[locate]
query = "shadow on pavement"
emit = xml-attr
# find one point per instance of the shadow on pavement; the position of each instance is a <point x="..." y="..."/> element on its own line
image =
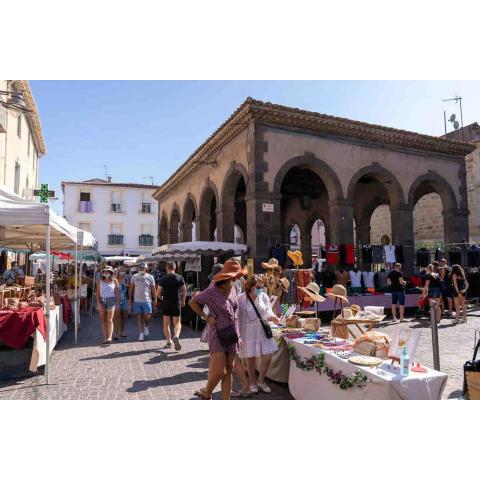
<point x="187" y="377"/>
<point x="173" y="356"/>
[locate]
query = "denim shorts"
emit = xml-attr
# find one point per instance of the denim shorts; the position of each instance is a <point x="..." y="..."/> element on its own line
<point x="140" y="308"/>
<point x="108" y="303"/>
<point x="398" y="298"/>
<point x="434" y="292"/>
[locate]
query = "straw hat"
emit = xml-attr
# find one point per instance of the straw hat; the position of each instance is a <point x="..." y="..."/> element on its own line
<point x="346" y="314"/>
<point x="296" y="257"/>
<point x="312" y="290"/>
<point x="272" y="263"/>
<point x="355" y="308"/>
<point x="339" y="291"/>
<point x="231" y="271"/>
<point x="285" y="284"/>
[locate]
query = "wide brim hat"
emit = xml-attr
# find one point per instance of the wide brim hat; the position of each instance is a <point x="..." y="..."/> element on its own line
<point x="355" y="308"/>
<point x="346" y="314"/>
<point x="284" y="284"/>
<point x="312" y="290"/>
<point x="231" y="271"/>
<point x="296" y="257"/>
<point x="339" y="291"/>
<point x="272" y="263"/>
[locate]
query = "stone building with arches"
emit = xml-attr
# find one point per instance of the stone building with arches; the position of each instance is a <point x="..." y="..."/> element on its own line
<point x="269" y="167"/>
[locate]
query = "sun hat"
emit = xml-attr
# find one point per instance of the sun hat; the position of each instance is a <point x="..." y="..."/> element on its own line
<point x="272" y="263"/>
<point x="284" y="284"/>
<point x="346" y="314"/>
<point x="215" y="269"/>
<point x="231" y="271"/>
<point x="313" y="292"/>
<point x="355" y="308"/>
<point x="338" y="291"/>
<point x="296" y="257"/>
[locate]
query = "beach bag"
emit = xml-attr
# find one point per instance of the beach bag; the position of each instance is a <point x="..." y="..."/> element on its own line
<point x="312" y="324"/>
<point x="471" y="381"/>
<point x="339" y="329"/>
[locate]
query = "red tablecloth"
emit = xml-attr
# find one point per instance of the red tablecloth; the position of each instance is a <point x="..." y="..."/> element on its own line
<point x="16" y="326"/>
<point x="67" y="309"/>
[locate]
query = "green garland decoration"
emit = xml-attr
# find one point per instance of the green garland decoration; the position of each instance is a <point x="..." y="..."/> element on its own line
<point x="317" y="362"/>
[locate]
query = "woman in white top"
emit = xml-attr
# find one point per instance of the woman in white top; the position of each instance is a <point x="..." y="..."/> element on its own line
<point x="254" y="340"/>
<point x="108" y="297"/>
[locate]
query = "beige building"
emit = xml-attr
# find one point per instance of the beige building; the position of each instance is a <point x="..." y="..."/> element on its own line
<point x="21" y="141"/>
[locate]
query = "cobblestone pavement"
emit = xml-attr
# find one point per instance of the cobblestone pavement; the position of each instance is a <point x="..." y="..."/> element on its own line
<point x="455" y="343"/>
<point x="143" y="370"/>
<point x="128" y="369"/>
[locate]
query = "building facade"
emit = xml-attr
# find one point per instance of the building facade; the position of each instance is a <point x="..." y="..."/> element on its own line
<point x="121" y="216"/>
<point x="21" y="142"/>
<point x="270" y="167"/>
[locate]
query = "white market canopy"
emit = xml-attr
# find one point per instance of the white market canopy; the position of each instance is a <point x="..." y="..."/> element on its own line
<point x="199" y="248"/>
<point x="120" y="258"/>
<point x="23" y="225"/>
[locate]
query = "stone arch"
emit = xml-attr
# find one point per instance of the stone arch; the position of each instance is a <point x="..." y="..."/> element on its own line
<point x="432" y="182"/>
<point x="174" y="225"/>
<point x="382" y="175"/>
<point x="209" y="202"/>
<point x="163" y="229"/>
<point x="234" y="173"/>
<point x="321" y="168"/>
<point x="189" y="217"/>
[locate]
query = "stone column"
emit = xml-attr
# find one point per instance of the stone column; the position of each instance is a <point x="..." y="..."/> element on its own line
<point x="455" y="225"/>
<point x="225" y="224"/>
<point x="402" y="234"/>
<point x="203" y="228"/>
<point x="341" y="221"/>
<point x="186" y="232"/>
<point x="306" y="248"/>
<point x="362" y="236"/>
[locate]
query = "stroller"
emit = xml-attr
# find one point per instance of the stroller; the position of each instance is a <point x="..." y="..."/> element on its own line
<point x="423" y="311"/>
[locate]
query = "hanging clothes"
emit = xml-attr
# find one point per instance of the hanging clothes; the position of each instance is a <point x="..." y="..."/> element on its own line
<point x="342" y="278"/>
<point x="464" y="249"/>
<point x="355" y="279"/>
<point x="473" y="279"/>
<point x="423" y="258"/>
<point x="290" y="297"/>
<point x="438" y="254"/>
<point x="377" y="254"/>
<point x="389" y="253"/>
<point x="455" y="256"/>
<point x="280" y="253"/>
<point x="473" y="256"/>
<point x="347" y="254"/>
<point x="368" y="279"/>
<point x="367" y="254"/>
<point x="333" y="254"/>
<point x="399" y="254"/>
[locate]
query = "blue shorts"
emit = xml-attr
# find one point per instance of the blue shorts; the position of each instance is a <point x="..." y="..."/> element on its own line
<point x="398" y="298"/>
<point x="140" y="308"/>
<point x="124" y="304"/>
<point x="108" y="303"/>
<point x="434" y="292"/>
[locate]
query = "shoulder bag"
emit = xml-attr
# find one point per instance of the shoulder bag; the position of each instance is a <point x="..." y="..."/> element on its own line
<point x="265" y="325"/>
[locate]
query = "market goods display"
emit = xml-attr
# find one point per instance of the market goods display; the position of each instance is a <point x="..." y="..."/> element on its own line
<point x="365" y="361"/>
<point x="371" y="343"/>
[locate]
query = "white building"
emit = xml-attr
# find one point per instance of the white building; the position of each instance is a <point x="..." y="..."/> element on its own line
<point x="21" y="141"/>
<point x="121" y="216"/>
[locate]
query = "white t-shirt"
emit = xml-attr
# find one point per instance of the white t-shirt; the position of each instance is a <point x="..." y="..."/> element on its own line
<point x="368" y="279"/>
<point x="143" y="287"/>
<point x="389" y="253"/>
<point x="355" y="278"/>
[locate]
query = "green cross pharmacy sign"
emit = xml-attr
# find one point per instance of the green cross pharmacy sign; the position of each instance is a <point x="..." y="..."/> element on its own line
<point x="44" y="193"/>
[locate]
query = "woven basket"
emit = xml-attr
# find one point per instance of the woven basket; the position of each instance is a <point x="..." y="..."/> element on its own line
<point x="473" y="385"/>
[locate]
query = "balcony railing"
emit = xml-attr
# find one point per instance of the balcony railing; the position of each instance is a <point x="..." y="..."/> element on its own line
<point x="145" y="240"/>
<point x="115" y="239"/>
<point x="146" y="208"/>
<point x="85" y="206"/>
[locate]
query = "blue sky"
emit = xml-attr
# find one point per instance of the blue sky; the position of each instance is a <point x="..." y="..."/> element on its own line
<point x="148" y="128"/>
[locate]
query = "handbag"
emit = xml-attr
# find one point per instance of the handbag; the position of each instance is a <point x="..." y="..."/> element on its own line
<point x="471" y="372"/>
<point x="265" y="325"/>
<point x="227" y="336"/>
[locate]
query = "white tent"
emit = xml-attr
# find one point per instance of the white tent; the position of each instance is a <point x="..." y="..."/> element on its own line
<point x="34" y="226"/>
<point x="200" y="248"/>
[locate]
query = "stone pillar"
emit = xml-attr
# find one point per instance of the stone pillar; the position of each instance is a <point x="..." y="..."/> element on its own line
<point x="455" y="225"/>
<point x="402" y="234"/>
<point x="203" y="228"/>
<point x="362" y="233"/>
<point x="306" y="248"/>
<point x="263" y="228"/>
<point x="341" y="221"/>
<point x="225" y="224"/>
<point x="186" y="232"/>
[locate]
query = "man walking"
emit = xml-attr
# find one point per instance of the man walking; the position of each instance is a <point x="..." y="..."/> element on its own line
<point x="173" y="293"/>
<point x="397" y="287"/>
<point x="142" y="296"/>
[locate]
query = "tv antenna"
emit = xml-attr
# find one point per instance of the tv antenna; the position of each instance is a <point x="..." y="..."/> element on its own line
<point x="151" y="178"/>
<point x="107" y="175"/>
<point x="453" y="117"/>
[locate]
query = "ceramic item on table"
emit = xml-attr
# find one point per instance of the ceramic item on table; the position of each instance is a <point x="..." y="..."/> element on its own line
<point x="365" y="361"/>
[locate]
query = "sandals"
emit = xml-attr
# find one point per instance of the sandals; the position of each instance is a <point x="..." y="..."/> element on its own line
<point x="264" y="388"/>
<point x="201" y="394"/>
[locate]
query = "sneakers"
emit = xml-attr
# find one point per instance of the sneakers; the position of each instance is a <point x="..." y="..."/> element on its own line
<point x="168" y="345"/>
<point x="146" y="331"/>
<point x="264" y="388"/>
<point x="140" y="337"/>
<point x="253" y="389"/>
<point x="462" y="320"/>
<point x="176" y="342"/>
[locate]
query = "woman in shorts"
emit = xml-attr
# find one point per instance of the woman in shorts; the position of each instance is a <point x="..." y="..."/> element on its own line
<point x="460" y="287"/>
<point x="433" y="289"/>
<point x="108" y="297"/>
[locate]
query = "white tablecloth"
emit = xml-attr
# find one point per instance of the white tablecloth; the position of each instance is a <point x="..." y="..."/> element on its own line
<point x="56" y="328"/>
<point x="385" y="382"/>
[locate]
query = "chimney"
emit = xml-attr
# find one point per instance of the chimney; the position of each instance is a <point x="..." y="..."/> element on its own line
<point x="109" y="179"/>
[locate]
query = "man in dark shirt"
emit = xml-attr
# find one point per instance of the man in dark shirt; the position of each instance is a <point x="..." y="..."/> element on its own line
<point x="397" y="287"/>
<point x="173" y="293"/>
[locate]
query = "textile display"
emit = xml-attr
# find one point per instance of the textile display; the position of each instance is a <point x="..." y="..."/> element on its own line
<point x="342" y="278"/>
<point x="333" y="254"/>
<point x="377" y="254"/>
<point x="399" y="254"/>
<point x="367" y="254"/>
<point x="16" y="326"/>
<point x="347" y="254"/>
<point x="67" y="316"/>
<point x="423" y="258"/>
<point x="355" y="278"/>
<point x="438" y="255"/>
<point x="389" y="253"/>
<point x="454" y="256"/>
<point x="297" y="278"/>
<point x="280" y="253"/>
<point x="473" y="256"/>
<point x="380" y="300"/>
<point x="368" y="279"/>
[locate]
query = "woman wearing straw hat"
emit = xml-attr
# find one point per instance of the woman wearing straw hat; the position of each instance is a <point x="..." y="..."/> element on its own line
<point x="223" y="334"/>
<point x="108" y="297"/>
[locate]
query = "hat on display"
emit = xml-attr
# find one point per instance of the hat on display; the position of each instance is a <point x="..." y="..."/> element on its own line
<point x="296" y="257"/>
<point x="284" y="284"/>
<point x="346" y="314"/>
<point x="231" y="271"/>
<point x="339" y="291"/>
<point x="355" y="308"/>
<point x="217" y="268"/>
<point x="272" y="263"/>
<point x="312" y="290"/>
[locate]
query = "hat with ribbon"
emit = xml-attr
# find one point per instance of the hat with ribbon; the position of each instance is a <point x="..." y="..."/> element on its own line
<point x="338" y="291"/>
<point x="231" y="271"/>
<point x="284" y="284"/>
<point x="272" y="263"/>
<point x="312" y="290"/>
<point x="296" y="257"/>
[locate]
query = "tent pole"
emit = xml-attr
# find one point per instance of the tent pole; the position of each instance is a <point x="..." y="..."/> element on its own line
<point x="94" y="285"/>
<point x="80" y="285"/>
<point x="47" y="301"/>
<point x="75" y="298"/>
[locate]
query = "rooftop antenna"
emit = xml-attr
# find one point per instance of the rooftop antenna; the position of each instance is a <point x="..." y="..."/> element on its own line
<point x="108" y="178"/>
<point x="151" y="178"/>
<point x="452" y="118"/>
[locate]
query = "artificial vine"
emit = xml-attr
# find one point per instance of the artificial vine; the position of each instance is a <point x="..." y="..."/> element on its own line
<point x="317" y="362"/>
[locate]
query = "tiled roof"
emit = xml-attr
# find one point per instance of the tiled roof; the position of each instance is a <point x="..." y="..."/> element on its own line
<point x="273" y="114"/>
<point x="471" y="133"/>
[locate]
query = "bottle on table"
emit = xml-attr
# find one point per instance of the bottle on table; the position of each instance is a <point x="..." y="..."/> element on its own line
<point x="404" y="362"/>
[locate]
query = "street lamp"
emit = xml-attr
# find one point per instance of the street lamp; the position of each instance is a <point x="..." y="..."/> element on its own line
<point x="14" y="102"/>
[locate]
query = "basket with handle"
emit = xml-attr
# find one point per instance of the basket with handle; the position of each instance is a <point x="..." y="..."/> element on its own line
<point x="471" y="370"/>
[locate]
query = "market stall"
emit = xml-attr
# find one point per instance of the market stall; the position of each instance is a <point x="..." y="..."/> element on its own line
<point x="34" y="227"/>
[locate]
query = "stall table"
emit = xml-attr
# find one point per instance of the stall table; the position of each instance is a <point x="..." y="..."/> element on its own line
<point x="382" y="300"/>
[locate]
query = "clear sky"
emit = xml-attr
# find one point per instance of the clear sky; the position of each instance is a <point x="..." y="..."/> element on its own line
<point x="148" y="128"/>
